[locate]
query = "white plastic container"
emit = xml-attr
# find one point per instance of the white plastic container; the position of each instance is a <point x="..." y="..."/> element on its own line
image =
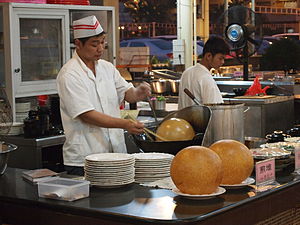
<point x="64" y="189"/>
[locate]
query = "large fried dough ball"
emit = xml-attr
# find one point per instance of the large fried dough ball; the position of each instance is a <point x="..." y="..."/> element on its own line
<point x="236" y="159"/>
<point x="176" y="129"/>
<point x="196" y="170"/>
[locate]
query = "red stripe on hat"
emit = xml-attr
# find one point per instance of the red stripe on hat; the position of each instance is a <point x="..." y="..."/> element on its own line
<point x="86" y="27"/>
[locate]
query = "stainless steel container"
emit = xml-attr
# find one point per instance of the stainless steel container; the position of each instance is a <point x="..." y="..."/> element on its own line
<point x="254" y="142"/>
<point x="159" y="86"/>
<point x="158" y="105"/>
<point x="227" y="122"/>
<point x="174" y="86"/>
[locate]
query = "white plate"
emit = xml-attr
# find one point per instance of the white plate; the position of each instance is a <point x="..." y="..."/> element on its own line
<point x="110" y="157"/>
<point x="112" y="184"/>
<point x="266" y="153"/>
<point x="153" y="156"/>
<point x="110" y="166"/>
<point x="219" y="191"/>
<point x="292" y="139"/>
<point x="245" y="183"/>
<point x="160" y="165"/>
<point x="289" y="146"/>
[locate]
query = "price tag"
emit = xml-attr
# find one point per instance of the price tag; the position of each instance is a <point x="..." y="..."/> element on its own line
<point x="265" y="171"/>
<point x="297" y="159"/>
<point x="258" y="74"/>
<point x="237" y="74"/>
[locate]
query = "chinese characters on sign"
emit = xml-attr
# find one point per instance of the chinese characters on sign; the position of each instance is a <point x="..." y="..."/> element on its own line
<point x="297" y="160"/>
<point x="265" y="171"/>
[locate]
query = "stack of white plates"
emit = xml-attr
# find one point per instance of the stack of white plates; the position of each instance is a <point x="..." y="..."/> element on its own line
<point x="109" y="169"/>
<point x="150" y="167"/>
<point x="22" y="109"/>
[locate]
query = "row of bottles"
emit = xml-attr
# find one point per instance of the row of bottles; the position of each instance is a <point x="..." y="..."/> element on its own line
<point x="45" y="121"/>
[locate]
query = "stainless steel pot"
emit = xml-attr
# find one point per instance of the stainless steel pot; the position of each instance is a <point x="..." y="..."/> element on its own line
<point x="174" y="86"/>
<point x="227" y="122"/>
<point x="254" y="142"/>
<point x="158" y="105"/>
<point x="159" y="86"/>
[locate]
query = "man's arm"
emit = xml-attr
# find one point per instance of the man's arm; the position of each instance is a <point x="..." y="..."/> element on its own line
<point x="102" y="120"/>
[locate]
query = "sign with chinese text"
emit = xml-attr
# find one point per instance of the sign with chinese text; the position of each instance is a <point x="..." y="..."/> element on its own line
<point x="297" y="159"/>
<point x="238" y="74"/>
<point x="265" y="171"/>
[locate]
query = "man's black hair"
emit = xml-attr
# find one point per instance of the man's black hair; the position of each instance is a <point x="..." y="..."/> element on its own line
<point x="216" y="45"/>
<point x="83" y="40"/>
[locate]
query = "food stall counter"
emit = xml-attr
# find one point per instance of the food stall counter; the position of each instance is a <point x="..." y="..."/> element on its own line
<point x="136" y="204"/>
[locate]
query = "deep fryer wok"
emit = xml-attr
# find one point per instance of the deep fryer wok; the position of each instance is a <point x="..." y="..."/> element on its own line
<point x="197" y="116"/>
<point x="172" y="147"/>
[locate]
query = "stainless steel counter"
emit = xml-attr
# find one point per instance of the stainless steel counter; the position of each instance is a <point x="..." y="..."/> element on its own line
<point x="33" y="153"/>
<point x="35" y="142"/>
<point x="253" y="101"/>
<point x="266" y="115"/>
<point x="276" y="87"/>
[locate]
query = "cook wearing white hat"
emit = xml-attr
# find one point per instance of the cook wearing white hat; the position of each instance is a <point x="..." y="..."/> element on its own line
<point x="86" y="27"/>
<point x="91" y="91"/>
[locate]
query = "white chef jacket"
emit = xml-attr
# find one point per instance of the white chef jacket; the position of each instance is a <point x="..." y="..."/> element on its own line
<point x="80" y="91"/>
<point x="200" y="82"/>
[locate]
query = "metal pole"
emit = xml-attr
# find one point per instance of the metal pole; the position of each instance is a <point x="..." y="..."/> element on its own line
<point x="153" y="29"/>
<point x="185" y="29"/>
<point x="246" y="63"/>
<point x="253" y="5"/>
<point x="195" y="32"/>
<point x="225" y="9"/>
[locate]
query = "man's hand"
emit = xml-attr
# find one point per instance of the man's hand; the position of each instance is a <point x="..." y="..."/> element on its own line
<point x="143" y="90"/>
<point x="134" y="127"/>
<point x="139" y="93"/>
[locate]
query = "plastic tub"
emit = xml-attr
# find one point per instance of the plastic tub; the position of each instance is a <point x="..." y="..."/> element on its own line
<point x="64" y="189"/>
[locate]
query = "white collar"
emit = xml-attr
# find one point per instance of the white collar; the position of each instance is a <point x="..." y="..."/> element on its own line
<point x="204" y="67"/>
<point x="84" y="66"/>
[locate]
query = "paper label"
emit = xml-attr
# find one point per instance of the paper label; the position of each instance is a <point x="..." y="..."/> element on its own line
<point x="258" y="74"/>
<point x="237" y="74"/>
<point x="265" y="171"/>
<point x="297" y="159"/>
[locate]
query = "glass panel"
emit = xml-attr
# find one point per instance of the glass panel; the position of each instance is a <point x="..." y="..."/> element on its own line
<point x="41" y="48"/>
<point x="2" y="75"/>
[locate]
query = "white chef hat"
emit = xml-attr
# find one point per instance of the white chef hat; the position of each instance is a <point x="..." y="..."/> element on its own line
<point x="86" y="27"/>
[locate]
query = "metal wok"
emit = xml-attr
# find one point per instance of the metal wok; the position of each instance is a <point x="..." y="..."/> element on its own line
<point x="197" y="116"/>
